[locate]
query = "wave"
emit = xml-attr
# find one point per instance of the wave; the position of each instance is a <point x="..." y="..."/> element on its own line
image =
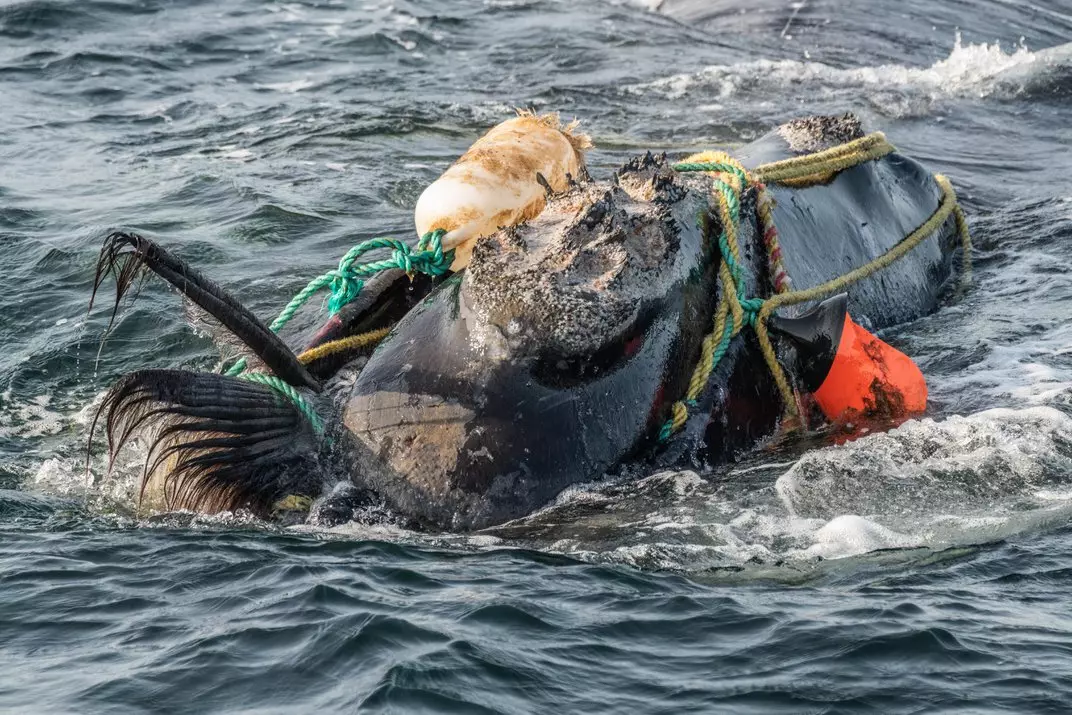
<point x="936" y="484"/>
<point x="928" y="485"/>
<point x="970" y="70"/>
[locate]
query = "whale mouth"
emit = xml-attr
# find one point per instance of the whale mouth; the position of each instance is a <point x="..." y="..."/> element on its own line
<point x="562" y="371"/>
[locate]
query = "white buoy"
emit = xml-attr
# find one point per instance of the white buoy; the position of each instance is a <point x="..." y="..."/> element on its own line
<point x="495" y="184"/>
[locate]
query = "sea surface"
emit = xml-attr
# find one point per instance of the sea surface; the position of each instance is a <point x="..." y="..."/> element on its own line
<point x="924" y="570"/>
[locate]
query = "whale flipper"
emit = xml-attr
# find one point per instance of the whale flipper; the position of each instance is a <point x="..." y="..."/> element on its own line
<point x="218" y="443"/>
<point x="124" y="255"/>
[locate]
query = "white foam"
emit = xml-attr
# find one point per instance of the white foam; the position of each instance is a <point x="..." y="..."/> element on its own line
<point x="961" y="462"/>
<point x="32" y="418"/>
<point x="683" y="483"/>
<point x="851" y="535"/>
<point x="929" y="483"/>
<point x="58" y="476"/>
<point x="969" y="70"/>
<point x="291" y="87"/>
<point x="240" y="155"/>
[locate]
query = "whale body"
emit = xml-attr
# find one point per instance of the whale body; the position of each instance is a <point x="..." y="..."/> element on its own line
<point x="555" y="356"/>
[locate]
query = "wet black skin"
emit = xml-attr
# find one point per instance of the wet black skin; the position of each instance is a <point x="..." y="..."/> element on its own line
<point x="516" y="430"/>
<point x="516" y="433"/>
<point x="825" y="231"/>
<point x="828" y="230"/>
<point x="459" y="421"/>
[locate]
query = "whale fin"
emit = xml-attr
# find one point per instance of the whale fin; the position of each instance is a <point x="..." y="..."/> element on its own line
<point x="816" y="336"/>
<point x="124" y="255"/>
<point x="229" y="345"/>
<point x="850" y="372"/>
<point x="215" y="443"/>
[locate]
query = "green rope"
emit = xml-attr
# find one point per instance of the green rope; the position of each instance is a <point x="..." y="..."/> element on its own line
<point x="750" y="307"/>
<point x="715" y="166"/>
<point x="287" y="390"/>
<point x="347" y="280"/>
<point x="345" y="284"/>
<point x="237" y="369"/>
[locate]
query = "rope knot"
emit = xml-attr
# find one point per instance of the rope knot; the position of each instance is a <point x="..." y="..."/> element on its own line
<point x="751" y="308"/>
<point x="344" y="287"/>
<point x="346" y="282"/>
<point x="404" y="260"/>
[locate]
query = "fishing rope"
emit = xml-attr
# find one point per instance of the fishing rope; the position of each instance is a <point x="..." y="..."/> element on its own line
<point x="735" y="310"/>
<point x="730" y="180"/>
<point x="372" y="337"/>
<point x="354" y="342"/>
<point x="287" y="390"/>
<point x="347" y="280"/>
<point x="345" y="284"/>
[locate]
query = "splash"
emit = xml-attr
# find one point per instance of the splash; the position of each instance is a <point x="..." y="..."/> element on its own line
<point x="928" y="485"/>
<point x="36" y="417"/>
<point x="970" y="70"/>
<point x="924" y="487"/>
<point x="962" y="464"/>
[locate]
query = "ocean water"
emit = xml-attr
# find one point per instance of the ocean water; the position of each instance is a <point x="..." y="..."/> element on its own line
<point x="925" y="569"/>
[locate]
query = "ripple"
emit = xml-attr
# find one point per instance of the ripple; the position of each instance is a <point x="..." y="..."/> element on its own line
<point x="25" y="19"/>
<point x="509" y="616"/>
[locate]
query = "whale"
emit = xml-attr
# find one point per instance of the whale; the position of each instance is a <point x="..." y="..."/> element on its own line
<point x="552" y="358"/>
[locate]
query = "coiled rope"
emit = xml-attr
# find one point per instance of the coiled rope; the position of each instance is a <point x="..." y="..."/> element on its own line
<point x="345" y="284"/>
<point x="730" y="180"/>
<point x="347" y="280"/>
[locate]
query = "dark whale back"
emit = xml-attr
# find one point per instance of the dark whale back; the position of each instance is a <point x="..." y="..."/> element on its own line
<point x="831" y="229"/>
<point x="825" y="231"/>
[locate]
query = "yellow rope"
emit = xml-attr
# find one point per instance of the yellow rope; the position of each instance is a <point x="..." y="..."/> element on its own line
<point x="965" y="244"/>
<point x="343" y="345"/>
<point x="843" y="156"/>
<point x="946" y="206"/>
<point x="729" y="307"/>
<point x="707" y="350"/>
<point x="797" y="171"/>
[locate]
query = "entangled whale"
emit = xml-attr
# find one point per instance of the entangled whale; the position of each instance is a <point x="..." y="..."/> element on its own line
<point x="546" y="336"/>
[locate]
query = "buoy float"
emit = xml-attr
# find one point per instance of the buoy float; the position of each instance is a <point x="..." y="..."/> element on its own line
<point x="850" y="372"/>
<point x="500" y="181"/>
<point x="869" y="377"/>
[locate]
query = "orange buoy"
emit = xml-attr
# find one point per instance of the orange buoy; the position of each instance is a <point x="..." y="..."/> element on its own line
<point x="850" y="373"/>
<point x="869" y="377"/>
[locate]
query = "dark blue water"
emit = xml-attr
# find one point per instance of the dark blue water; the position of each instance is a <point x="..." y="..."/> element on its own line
<point x="922" y="570"/>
